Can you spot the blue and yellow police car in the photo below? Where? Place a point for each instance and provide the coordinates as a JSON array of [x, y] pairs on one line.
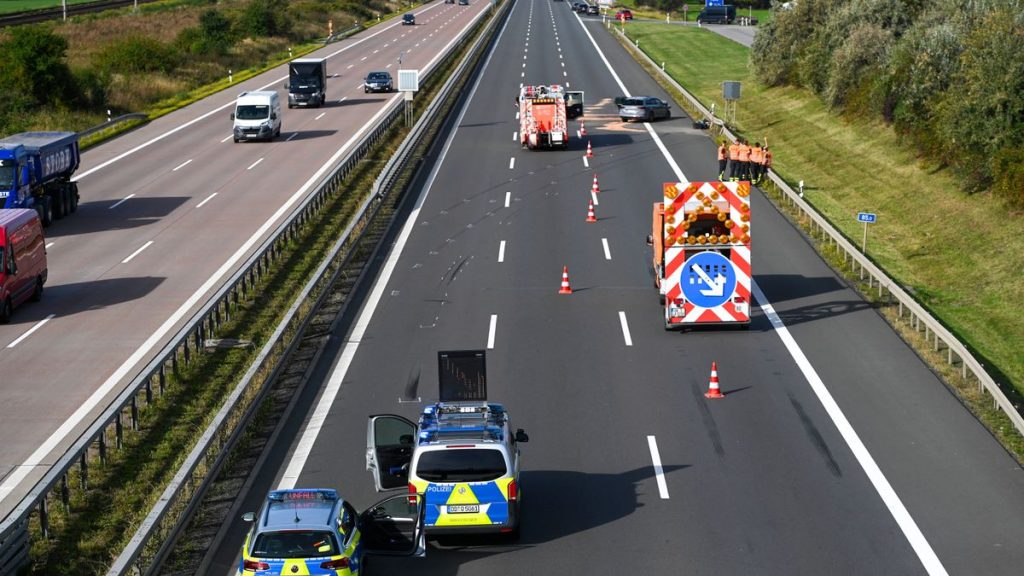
[[314, 531]]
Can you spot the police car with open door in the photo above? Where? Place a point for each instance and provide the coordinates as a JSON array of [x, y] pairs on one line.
[[461, 456], [314, 531]]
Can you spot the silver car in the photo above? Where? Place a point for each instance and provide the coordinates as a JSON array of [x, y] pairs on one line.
[[642, 108]]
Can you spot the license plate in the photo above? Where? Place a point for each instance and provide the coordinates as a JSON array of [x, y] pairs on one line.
[[463, 508]]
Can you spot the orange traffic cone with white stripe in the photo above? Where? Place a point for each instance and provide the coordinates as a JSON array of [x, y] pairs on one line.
[[583, 130], [590, 151], [713, 390], [565, 289], [595, 188], [591, 217]]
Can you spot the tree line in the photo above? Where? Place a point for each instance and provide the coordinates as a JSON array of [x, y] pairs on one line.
[[948, 75]]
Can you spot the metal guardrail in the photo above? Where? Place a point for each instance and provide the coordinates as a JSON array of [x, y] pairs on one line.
[[94, 444], [77, 9], [934, 332], [112, 122], [128, 562]]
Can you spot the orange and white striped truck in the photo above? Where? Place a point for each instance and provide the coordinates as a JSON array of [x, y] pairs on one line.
[[700, 235], [543, 120]]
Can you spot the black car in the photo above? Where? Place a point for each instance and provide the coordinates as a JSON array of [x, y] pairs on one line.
[[408, 19], [580, 7], [463, 2], [378, 82]]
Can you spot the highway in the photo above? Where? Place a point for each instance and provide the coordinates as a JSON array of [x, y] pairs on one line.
[[168, 212], [836, 450]]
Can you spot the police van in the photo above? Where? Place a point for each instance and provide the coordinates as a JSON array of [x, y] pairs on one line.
[[461, 456]]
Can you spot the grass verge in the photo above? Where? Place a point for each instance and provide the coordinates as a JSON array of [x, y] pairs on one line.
[[121, 493], [938, 242]]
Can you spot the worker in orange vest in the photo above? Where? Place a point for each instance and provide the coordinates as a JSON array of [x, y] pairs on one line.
[[723, 159], [734, 159], [756, 160], [767, 161], [744, 159]]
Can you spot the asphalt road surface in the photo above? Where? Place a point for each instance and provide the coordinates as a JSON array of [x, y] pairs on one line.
[[168, 213], [835, 450]]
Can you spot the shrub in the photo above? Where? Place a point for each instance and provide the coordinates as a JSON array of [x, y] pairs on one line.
[[262, 18], [857, 64], [135, 54], [33, 63], [1008, 182], [214, 34]]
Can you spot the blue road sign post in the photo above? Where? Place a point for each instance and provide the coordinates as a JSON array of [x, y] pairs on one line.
[[708, 279], [866, 218]]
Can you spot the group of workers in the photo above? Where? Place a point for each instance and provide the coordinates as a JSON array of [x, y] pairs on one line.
[[745, 162]]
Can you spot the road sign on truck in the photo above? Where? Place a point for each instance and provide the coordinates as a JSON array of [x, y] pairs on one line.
[[701, 242], [35, 172]]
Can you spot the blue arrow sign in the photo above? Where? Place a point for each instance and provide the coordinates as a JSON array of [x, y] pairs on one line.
[[868, 217], [707, 279]]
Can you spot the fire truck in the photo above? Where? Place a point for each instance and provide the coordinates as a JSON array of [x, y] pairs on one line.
[[543, 122], [700, 235]]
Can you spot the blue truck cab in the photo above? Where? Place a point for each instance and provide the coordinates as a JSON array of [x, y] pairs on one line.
[[36, 170]]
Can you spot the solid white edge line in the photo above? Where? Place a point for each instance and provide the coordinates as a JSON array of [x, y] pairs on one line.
[[208, 198], [625, 328], [659, 472], [137, 252], [330, 392], [254, 164], [49, 245], [121, 201], [501, 251], [911, 531], [31, 330], [607, 252], [201, 117], [490, 331], [885, 490], [508, 198], [183, 164]]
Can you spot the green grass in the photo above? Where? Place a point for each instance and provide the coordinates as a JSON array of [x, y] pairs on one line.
[[960, 254], [8, 6], [677, 15]]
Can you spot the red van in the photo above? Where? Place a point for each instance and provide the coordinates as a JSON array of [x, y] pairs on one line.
[[22, 260]]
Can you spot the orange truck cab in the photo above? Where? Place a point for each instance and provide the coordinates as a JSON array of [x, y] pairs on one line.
[[22, 259]]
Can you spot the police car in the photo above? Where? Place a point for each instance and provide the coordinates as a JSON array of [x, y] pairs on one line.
[[461, 457], [316, 532]]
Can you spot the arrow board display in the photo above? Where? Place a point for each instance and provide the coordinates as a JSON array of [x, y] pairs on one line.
[[708, 279]]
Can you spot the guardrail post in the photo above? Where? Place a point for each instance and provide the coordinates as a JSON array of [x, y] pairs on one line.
[[118, 431], [162, 379], [44, 518], [65, 494], [84, 466], [149, 391], [187, 353], [135, 413], [103, 446]]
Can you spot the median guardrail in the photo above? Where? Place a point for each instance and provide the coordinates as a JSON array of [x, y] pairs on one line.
[[919, 318], [94, 444]]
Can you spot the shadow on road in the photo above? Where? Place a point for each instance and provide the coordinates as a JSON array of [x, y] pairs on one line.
[[68, 299], [98, 216], [312, 134], [784, 287]]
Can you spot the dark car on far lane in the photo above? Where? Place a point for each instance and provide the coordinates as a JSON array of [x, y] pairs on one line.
[[593, 9], [378, 82], [408, 19], [642, 108]]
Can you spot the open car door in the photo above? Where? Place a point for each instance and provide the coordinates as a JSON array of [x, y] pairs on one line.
[[574, 104], [389, 444], [394, 527], [620, 101]]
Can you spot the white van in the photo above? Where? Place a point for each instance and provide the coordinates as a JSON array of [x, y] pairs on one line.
[[257, 116]]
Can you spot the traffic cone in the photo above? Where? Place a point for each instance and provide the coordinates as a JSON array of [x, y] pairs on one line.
[[595, 188], [713, 390], [590, 151], [583, 130], [590, 212], [565, 289]]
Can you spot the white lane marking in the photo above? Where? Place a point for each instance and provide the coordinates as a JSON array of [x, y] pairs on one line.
[[31, 330], [226, 139], [375, 51], [508, 198], [342, 99], [578, 135], [363, 59], [564, 73], [607, 251], [320, 116], [593, 196], [137, 252], [330, 393], [899, 512], [490, 331], [182, 165], [515, 135], [501, 251], [517, 113], [49, 245], [586, 162], [121, 201], [388, 66], [625, 326], [512, 163], [349, 66], [202, 117], [563, 64], [885, 490], [253, 165], [289, 139], [208, 198], [659, 472], [20, 472], [360, 85], [522, 74]]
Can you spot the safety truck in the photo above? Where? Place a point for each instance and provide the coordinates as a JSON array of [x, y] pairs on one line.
[[461, 456], [700, 235], [543, 116], [36, 170]]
